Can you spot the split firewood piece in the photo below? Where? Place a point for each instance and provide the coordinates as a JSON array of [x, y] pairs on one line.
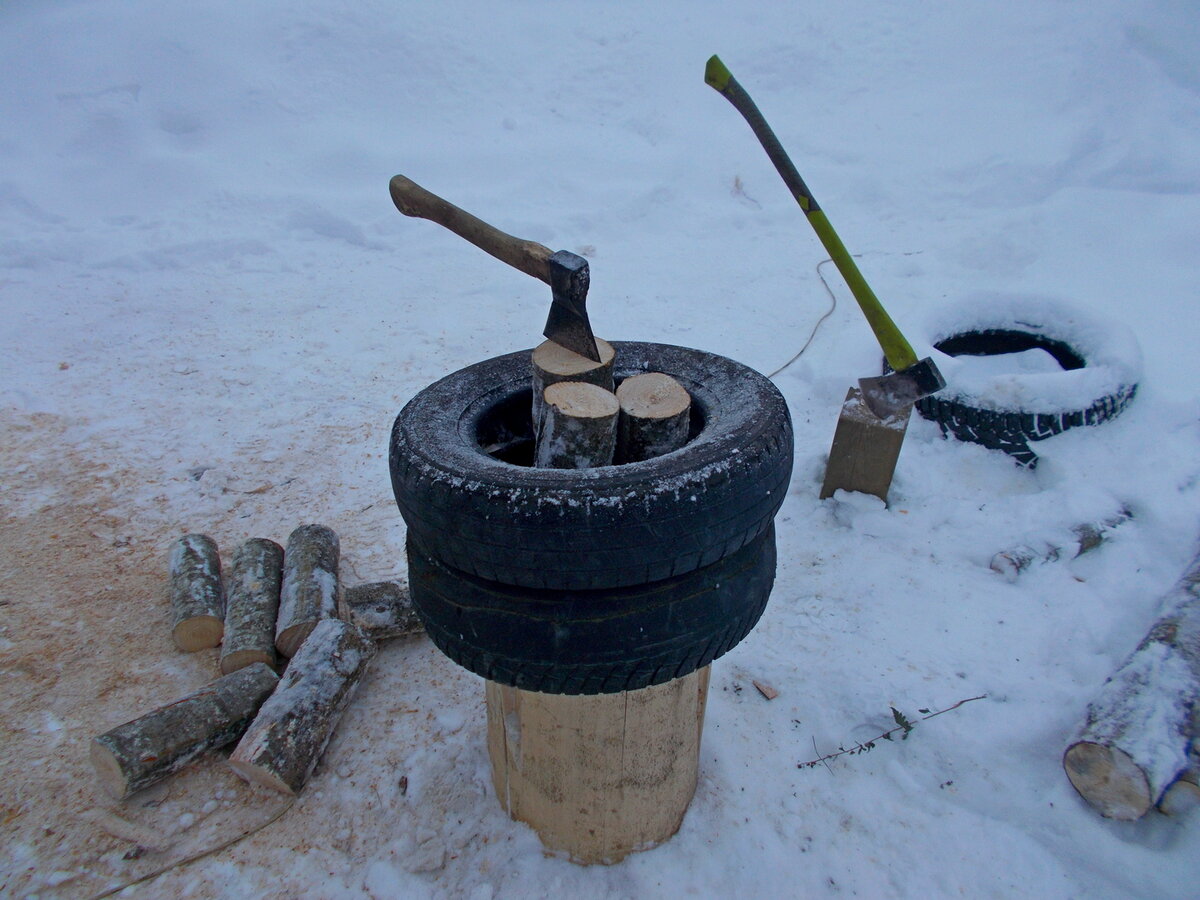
[[865, 449], [281, 747], [151, 747], [252, 605], [381, 610], [1083, 537], [197, 601], [655, 416], [310, 585], [578, 428], [1136, 739], [553, 363]]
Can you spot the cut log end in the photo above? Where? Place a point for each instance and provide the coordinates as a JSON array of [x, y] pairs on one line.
[[567, 364], [653, 395], [108, 770], [198, 633], [1108, 779], [288, 641], [239, 659], [580, 400], [254, 773]]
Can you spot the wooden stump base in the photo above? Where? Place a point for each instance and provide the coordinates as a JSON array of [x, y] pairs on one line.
[[598, 776]]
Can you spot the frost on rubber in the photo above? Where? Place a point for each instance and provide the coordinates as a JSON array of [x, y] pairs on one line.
[[483, 514], [593, 642], [1100, 364]]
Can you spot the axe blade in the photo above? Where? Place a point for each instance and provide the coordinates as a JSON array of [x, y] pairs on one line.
[[568, 325], [886, 395]]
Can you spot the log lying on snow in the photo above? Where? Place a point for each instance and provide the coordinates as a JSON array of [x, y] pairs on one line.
[[578, 427], [654, 417], [310, 585], [1139, 732], [252, 605], [552, 364], [281, 747], [1083, 537], [197, 601], [151, 747], [381, 610]]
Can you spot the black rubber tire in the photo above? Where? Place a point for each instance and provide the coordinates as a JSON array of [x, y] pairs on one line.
[[1012, 428], [569, 529], [593, 642]]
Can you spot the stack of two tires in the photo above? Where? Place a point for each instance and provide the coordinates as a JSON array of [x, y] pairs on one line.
[[600, 580]]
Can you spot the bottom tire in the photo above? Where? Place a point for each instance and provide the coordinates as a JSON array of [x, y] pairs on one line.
[[598, 641]]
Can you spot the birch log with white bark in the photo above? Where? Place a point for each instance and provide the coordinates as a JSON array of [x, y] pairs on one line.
[[197, 600], [654, 419], [281, 747], [252, 605], [578, 428], [553, 363], [151, 747], [1139, 731], [310, 585]]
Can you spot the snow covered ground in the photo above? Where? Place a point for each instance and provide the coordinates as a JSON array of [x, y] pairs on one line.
[[212, 312]]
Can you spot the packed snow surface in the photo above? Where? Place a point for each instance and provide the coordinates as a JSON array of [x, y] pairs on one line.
[[212, 313]]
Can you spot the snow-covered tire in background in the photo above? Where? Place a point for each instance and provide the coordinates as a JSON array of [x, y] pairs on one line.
[[598, 641], [459, 464], [1100, 361]]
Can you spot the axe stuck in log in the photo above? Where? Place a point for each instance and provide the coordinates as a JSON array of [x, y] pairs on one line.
[[565, 272]]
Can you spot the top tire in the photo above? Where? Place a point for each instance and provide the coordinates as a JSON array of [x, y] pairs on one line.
[[456, 457]]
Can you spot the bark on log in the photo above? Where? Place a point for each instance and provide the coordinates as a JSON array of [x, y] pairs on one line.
[[1138, 733], [578, 428], [381, 610], [1082, 538], [197, 601], [252, 605], [552, 364], [310, 585], [151, 747], [654, 419], [281, 747]]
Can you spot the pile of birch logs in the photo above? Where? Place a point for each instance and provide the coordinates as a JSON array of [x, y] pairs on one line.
[[1139, 746], [599, 776], [275, 606]]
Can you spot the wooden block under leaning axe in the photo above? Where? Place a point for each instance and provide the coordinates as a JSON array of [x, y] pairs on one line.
[[865, 449], [600, 776]]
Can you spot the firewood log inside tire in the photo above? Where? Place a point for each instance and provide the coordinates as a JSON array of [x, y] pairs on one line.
[[1100, 365], [596, 641], [496, 519]]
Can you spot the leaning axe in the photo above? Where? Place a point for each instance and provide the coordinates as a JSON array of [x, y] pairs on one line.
[[911, 379], [565, 272]]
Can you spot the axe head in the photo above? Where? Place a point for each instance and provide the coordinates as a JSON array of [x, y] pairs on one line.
[[568, 324], [889, 394]]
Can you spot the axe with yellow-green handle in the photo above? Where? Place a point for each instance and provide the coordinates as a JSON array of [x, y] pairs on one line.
[[911, 379]]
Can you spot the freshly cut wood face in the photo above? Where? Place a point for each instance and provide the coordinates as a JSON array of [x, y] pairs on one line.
[[580, 400], [652, 395], [556, 360]]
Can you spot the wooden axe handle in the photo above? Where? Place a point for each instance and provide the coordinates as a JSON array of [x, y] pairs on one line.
[[528, 256]]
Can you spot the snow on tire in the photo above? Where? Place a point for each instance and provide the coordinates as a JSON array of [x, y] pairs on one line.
[[460, 454], [1098, 366], [598, 641]]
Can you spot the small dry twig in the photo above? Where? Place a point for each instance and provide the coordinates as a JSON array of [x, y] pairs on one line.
[[903, 724]]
